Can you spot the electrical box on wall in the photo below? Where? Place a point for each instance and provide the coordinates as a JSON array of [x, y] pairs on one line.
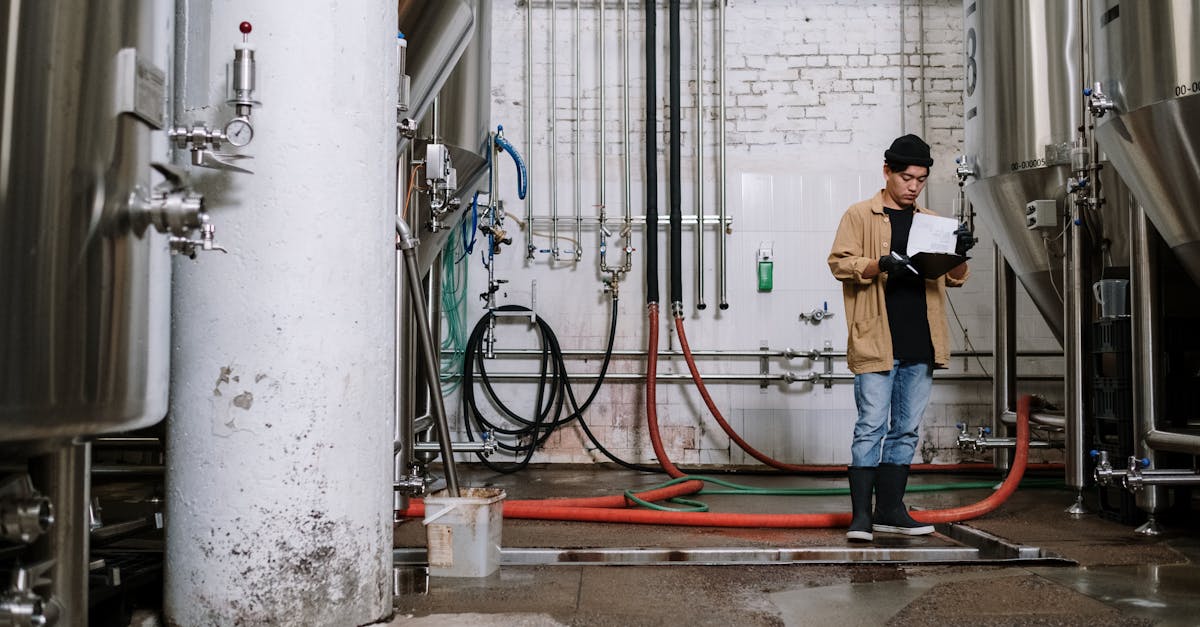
[[1041, 214], [766, 268]]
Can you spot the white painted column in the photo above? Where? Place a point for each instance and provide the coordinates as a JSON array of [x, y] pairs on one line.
[[282, 387]]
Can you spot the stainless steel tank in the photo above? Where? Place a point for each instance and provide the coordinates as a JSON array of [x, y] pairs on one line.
[[438, 32], [1146, 57], [84, 315], [1022, 108], [464, 120]]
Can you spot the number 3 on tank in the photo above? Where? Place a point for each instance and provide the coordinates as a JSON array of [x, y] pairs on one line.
[[239, 132]]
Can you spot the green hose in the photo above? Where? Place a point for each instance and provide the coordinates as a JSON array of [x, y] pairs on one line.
[[454, 313]]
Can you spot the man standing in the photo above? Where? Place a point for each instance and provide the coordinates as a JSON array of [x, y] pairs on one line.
[[897, 335]]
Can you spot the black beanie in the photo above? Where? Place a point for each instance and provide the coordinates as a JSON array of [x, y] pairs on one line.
[[909, 150]]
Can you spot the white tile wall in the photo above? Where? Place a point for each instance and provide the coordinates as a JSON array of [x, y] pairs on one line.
[[814, 94]]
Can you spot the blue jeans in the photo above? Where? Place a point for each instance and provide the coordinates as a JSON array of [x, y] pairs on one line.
[[890, 406]]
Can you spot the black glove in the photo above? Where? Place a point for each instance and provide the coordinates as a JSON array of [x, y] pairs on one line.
[[897, 264], [966, 240]]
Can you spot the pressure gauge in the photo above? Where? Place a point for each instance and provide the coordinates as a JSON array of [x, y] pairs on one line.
[[239, 132]]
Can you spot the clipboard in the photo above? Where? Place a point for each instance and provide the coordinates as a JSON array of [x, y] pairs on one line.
[[934, 265]]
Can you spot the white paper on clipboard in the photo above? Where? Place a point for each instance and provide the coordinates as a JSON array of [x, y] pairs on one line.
[[932, 234]]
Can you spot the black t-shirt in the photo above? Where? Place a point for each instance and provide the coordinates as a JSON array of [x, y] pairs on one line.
[[905, 297]]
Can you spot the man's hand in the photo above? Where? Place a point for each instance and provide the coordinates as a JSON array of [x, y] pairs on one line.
[[966, 240], [897, 263]]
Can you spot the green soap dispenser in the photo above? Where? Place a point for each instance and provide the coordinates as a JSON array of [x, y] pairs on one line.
[[766, 269]]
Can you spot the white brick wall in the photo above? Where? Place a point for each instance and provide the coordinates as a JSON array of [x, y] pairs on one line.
[[814, 93]]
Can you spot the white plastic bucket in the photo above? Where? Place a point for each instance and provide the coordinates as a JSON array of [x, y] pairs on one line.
[[463, 533], [1110, 294]]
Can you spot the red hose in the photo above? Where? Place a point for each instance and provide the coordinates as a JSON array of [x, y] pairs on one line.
[[1009, 486], [652, 397], [733, 435], [554, 509], [806, 468]]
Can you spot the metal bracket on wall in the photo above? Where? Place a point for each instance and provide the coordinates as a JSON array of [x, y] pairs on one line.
[[827, 353], [764, 364]]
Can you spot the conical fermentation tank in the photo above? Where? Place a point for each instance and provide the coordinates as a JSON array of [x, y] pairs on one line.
[[1022, 107], [1146, 57], [85, 312]]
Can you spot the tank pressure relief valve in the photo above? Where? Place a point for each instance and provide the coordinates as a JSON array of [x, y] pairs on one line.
[[766, 267], [203, 141]]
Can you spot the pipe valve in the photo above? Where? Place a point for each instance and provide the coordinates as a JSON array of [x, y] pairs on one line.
[[1104, 473], [19, 605], [24, 513], [189, 247], [817, 315], [173, 208], [965, 168], [1098, 102]]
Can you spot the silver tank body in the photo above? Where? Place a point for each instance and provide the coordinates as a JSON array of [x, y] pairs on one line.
[[1147, 59], [464, 116], [1021, 110], [85, 311]]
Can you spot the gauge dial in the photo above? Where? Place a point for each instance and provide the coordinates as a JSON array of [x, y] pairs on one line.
[[239, 132]]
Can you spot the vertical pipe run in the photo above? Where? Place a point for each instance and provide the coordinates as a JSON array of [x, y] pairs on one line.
[[722, 231], [429, 355], [627, 227], [676, 243], [1073, 313], [651, 157], [1004, 362], [65, 475], [600, 142], [700, 304], [552, 108], [1147, 346], [576, 131], [529, 126]]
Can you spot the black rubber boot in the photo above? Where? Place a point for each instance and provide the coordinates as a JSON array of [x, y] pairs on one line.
[[862, 483], [891, 516]]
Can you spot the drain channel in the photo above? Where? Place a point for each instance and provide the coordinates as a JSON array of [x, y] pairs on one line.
[[964, 544]]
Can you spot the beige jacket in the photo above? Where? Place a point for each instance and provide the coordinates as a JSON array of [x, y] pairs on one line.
[[863, 236]]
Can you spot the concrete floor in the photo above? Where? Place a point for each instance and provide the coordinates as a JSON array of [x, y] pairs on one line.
[[1107, 575]]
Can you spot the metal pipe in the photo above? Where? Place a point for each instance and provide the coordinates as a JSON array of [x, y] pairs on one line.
[[1182, 478], [124, 470], [921, 54], [1073, 348], [1057, 421], [723, 228], [600, 141], [1011, 443], [637, 220], [428, 355], [700, 304], [903, 63], [1147, 362], [749, 354], [575, 131], [627, 227], [1004, 366], [529, 247], [406, 393], [126, 442], [787, 377], [551, 109], [459, 447], [1143, 264], [64, 477]]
